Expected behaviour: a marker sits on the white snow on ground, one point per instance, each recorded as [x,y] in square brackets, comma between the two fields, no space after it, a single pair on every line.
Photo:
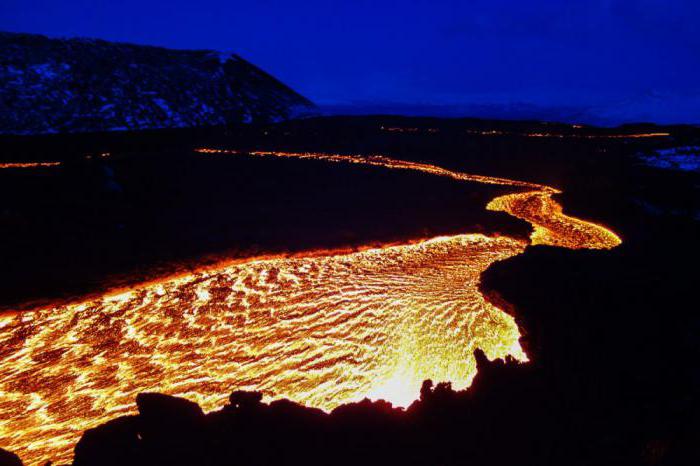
[225,56]
[45,70]
[163,106]
[685,158]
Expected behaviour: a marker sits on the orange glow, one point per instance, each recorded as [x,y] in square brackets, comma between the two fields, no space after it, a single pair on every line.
[551,226]
[29,164]
[486,133]
[597,136]
[385,162]
[572,136]
[634,136]
[103,155]
[398,129]
[322,328]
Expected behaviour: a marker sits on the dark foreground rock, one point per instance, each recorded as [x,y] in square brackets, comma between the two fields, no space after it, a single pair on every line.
[492,423]
[78,85]
[9,459]
[443,427]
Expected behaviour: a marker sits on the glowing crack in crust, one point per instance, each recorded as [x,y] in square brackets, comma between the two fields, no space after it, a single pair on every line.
[29,164]
[323,329]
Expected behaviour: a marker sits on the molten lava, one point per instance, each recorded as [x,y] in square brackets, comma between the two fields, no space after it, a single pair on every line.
[322,328]
[29,164]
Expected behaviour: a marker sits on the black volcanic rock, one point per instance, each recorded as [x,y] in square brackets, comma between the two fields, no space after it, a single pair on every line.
[9,459]
[156,408]
[443,427]
[115,442]
[80,85]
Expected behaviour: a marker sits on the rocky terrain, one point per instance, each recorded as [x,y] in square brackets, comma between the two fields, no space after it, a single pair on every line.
[84,85]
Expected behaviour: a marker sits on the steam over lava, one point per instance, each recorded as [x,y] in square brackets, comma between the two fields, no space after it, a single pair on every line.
[320,329]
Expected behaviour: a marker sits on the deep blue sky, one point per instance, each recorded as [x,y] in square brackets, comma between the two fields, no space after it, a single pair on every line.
[544,52]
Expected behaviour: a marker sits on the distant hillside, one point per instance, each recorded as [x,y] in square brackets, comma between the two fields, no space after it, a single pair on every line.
[78,85]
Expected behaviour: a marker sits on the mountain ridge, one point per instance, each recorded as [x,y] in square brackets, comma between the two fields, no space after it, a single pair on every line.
[84,85]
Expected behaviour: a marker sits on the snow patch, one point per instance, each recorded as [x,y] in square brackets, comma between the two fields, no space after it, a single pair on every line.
[45,70]
[686,158]
[16,71]
[225,56]
[163,106]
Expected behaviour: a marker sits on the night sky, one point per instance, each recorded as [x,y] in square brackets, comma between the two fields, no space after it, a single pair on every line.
[639,58]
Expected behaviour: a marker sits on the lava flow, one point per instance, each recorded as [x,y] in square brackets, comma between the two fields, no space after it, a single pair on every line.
[29,164]
[321,328]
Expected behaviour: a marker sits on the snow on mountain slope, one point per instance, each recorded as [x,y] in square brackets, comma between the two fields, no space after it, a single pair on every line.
[77,85]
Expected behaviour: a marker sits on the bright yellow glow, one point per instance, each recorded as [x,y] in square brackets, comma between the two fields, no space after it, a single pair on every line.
[322,328]
[551,226]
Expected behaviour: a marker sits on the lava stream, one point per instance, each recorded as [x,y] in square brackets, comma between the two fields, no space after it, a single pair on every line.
[318,329]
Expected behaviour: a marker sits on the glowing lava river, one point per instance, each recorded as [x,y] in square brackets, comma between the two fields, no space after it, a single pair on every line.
[321,328]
